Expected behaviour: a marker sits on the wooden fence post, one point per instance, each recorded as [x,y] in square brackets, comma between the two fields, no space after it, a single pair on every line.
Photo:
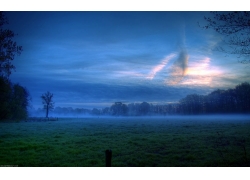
[108,157]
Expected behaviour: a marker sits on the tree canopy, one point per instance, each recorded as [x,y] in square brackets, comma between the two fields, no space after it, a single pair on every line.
[8,48]
[235,27]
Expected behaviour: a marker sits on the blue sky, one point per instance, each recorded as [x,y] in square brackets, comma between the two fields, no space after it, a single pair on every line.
[92,59]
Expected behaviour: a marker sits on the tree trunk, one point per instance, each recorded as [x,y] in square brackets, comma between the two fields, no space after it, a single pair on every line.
[47,111]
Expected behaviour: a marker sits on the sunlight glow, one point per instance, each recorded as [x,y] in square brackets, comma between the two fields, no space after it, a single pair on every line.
[201,73]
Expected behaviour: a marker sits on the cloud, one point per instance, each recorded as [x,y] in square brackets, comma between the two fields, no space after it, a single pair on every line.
[179,68]
[201,72]
[160,66]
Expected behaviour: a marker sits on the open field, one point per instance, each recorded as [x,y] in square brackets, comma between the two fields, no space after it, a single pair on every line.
[152,141]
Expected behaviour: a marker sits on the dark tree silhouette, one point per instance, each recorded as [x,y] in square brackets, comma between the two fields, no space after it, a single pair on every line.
[5,98]
[119,109]
[193,104]
[95,111]
[8,48]
[14,100]
[47,102]
[235,27]
[20,101]
[144,108]
[243,97]
[235,100]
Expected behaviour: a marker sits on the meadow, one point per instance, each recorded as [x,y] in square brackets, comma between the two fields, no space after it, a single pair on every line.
[170,141]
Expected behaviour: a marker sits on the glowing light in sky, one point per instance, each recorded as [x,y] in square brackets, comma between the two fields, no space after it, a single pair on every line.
[201,73]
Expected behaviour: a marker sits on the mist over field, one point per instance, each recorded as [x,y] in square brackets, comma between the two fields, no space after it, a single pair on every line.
[166,117]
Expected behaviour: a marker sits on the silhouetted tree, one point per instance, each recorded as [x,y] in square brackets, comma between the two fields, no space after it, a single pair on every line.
[231,101]
[216,101]
[14,100]
[192,104]
[144,108]
[47,102]
[235,100]
[243,97]
[235,27]
[20,102]
[105,111]
[119,109]
[8,48]
[95,111]
[5,98]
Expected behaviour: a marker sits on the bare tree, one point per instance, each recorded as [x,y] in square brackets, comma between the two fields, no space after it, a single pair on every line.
[47,102]
[235,28]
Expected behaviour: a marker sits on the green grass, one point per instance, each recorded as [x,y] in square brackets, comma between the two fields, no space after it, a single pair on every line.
[135,142]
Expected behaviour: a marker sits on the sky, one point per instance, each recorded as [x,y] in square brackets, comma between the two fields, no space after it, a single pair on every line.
[91,59]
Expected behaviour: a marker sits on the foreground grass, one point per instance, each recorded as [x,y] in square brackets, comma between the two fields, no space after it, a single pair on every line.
[134,142]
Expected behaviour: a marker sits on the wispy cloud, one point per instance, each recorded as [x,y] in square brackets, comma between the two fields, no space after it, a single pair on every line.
[179,69]
[160,66]
[127,73]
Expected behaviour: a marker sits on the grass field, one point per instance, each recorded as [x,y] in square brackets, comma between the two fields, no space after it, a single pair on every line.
[166,141]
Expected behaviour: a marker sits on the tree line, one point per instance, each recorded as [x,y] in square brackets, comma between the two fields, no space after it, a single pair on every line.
[236,100]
